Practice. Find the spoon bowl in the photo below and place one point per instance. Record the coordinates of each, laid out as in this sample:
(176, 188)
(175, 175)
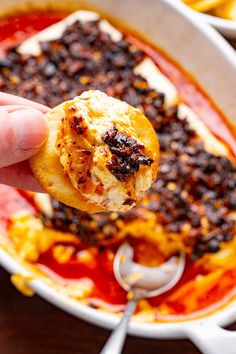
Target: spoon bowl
(145, 281)
(140, 282)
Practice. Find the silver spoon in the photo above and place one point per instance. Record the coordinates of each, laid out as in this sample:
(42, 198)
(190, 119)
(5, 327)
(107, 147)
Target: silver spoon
(140, 282)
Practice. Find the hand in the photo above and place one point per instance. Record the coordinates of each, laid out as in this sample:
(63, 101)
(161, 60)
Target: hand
(23, 130)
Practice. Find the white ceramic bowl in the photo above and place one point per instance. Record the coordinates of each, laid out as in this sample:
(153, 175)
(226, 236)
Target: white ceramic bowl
(204, 54)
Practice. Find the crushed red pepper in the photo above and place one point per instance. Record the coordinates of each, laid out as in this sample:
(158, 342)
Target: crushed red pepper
(127, 155)
(78, 126)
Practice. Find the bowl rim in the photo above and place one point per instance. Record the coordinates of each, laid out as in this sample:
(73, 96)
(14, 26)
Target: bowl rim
(169, 330)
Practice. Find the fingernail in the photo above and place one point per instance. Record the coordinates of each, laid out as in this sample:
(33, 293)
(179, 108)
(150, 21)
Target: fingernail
(30, 128)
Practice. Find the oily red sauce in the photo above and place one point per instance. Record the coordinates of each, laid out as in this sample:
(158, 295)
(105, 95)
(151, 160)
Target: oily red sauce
(100, 270)
(15, 29)
(220, 290)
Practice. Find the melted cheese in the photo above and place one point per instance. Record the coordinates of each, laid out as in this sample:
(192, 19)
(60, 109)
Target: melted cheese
(211, 143)
(106, 27)
(156, 80)
(43, 202)
(32, 45)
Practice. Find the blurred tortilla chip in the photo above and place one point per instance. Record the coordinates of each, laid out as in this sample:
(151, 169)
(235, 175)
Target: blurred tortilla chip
(226, 10)
(204, 5)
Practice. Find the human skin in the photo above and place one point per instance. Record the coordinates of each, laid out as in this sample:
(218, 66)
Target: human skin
(23, 130)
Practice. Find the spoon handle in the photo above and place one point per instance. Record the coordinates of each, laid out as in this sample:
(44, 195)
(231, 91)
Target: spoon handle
(116, 340)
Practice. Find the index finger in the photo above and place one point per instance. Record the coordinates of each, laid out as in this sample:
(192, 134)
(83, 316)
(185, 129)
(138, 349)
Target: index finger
(7, 99)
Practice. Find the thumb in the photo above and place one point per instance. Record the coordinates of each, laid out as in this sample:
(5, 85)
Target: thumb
(23, 130)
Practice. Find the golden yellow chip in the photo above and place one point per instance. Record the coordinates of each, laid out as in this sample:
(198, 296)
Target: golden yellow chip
(204, 5)
(188, 2)
(226, 10)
